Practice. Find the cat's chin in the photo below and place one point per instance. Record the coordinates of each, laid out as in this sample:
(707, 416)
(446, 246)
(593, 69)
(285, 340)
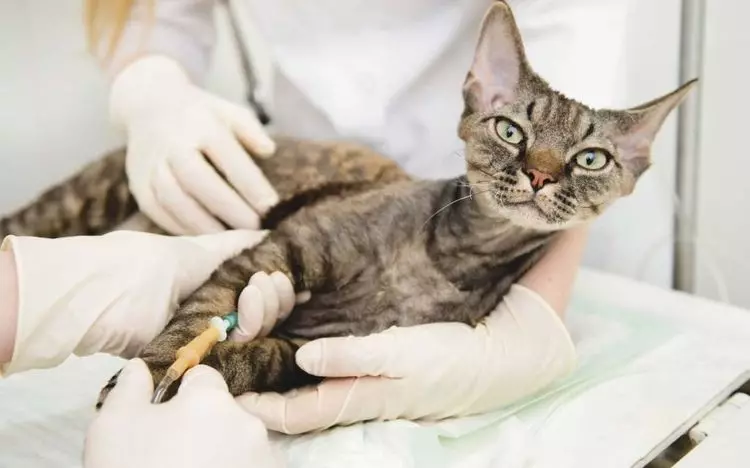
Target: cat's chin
(530, 216)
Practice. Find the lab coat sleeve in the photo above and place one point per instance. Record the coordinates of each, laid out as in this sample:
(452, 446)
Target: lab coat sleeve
(181, 29)
(578, 46)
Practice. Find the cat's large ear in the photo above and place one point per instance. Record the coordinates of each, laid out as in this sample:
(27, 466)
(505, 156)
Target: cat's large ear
(499, 61)
(639, 125)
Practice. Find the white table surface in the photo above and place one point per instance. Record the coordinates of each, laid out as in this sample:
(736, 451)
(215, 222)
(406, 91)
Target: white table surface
(615, 421)
(726, 447)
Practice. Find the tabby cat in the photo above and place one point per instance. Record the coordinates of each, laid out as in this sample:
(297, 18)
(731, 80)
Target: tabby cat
(378, 248)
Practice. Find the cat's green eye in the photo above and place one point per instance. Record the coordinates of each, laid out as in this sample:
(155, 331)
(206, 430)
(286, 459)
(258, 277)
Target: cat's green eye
(508, 131)
(592, 159)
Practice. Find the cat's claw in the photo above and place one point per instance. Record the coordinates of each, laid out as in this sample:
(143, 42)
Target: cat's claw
(104, 393)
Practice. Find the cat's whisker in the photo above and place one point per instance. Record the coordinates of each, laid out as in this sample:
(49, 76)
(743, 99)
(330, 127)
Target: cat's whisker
(459, 153)
(500, 201)
(466, 197)
(476, 184)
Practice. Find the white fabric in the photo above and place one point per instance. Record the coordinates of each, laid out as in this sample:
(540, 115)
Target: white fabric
(172, 125)
(389, 72)
(111, 293)
(428, 372)
(201, 426)
(650, 361)
(393, 80)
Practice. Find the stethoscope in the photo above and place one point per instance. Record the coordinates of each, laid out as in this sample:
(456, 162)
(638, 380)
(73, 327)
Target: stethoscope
(251, 80)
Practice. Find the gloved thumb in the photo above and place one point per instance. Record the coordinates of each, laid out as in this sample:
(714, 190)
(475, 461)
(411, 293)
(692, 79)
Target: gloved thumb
(200, 379)
(376, 355)
(135, 386)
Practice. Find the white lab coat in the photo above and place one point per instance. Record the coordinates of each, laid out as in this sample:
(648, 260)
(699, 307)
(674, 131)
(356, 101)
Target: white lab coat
(389, 72)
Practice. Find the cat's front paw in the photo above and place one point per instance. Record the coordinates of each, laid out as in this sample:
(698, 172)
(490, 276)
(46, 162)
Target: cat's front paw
(157, 372)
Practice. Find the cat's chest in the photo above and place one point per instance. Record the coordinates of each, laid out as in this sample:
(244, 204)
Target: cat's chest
(396, 287)
(411, 284)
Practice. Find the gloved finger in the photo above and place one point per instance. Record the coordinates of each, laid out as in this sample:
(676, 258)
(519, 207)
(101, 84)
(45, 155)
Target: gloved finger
(333, 402)
(200, 180)
(170, 195)
(135, 386)
(285, 291)
(250, 309)
(244, 175)
(262, 281)
(245, 124)
(148, 204)
(373, 355)
(201, 378)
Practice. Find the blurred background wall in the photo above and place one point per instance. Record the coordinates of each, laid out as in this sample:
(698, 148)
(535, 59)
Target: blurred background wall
(723, 208)
(53, 119)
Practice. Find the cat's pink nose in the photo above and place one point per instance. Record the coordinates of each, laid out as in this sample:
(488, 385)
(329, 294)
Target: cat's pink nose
(538, 178)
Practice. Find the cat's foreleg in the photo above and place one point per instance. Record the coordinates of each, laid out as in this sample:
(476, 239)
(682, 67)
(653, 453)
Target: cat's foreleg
(265, 364)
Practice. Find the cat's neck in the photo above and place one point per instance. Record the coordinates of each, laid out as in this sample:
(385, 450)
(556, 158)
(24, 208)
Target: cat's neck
(463, 234)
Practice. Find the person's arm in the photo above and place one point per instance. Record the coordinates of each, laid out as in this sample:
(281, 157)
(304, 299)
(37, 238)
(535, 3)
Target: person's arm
(8, 305)
(521, 347)
(553, 276)
(88, 294)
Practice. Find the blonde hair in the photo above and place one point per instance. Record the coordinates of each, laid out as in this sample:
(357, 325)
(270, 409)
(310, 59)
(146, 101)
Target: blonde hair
(105, 22)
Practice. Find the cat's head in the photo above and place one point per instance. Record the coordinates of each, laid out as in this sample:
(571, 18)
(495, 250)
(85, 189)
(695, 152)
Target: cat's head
(536, 157)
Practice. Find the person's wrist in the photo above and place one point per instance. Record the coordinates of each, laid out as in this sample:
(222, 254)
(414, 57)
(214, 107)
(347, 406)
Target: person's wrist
(144, 83)
(552, 277)
(578, 234)
(8, 305)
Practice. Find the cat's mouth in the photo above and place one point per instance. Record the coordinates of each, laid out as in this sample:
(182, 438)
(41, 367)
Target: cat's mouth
(517, 202)
(529, 211)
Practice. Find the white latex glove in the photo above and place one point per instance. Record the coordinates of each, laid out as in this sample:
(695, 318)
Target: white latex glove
(171, 124)
(425, 372)
(111, 293)
(201, 426)
(266, 300)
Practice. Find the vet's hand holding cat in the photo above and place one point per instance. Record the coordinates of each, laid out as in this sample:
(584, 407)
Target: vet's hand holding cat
(201, 427)
(113, 294)
(171, 124)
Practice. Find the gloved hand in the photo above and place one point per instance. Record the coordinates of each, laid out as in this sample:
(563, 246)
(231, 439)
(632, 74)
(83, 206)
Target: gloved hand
(266, 300)
(171, 124)
(201, 426)
(425, 372)
(111, 293)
